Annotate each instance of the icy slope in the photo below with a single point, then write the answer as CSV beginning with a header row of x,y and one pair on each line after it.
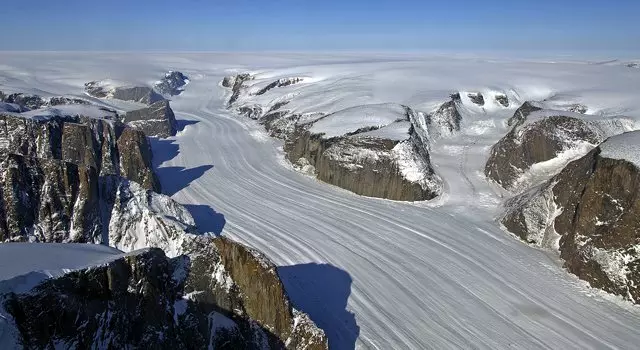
x,y
375,273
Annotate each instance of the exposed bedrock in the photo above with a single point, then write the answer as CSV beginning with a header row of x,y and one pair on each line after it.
x,y
539,135
363,165
109,146
589,212
146,299
156,120
141,94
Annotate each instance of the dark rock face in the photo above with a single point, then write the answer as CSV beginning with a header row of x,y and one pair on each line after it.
x,y
362,165
592,207
502,100
48,199
142,94
155,120
135,164
476,98
535,139
25,100
109,146
236,83
146,300
366,165
522,113
57,101
172,84
538,142
279,83
446,119
136,301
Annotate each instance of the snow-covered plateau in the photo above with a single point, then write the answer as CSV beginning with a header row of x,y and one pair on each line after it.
x,y
377,273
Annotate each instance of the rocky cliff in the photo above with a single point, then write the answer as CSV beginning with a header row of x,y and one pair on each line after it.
x,y
381,150
109,89
172,84
589,213
98,141
29,101
156,120
69,179
145,299
540,135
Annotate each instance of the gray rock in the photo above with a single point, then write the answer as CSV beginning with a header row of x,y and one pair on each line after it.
x,y
108,146
141,94
172,84
476,98
24,100
156,120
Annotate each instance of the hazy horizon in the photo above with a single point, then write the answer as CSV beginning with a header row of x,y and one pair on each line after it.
x,y
570,27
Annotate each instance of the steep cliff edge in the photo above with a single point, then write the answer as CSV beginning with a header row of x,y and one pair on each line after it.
x,y
376,150
90,137
74,178
589,212
141,299
543,140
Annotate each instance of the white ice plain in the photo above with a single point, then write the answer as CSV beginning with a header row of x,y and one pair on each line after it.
x,y
374,273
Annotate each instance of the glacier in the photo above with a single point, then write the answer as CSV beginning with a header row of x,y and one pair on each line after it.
x,y
436,274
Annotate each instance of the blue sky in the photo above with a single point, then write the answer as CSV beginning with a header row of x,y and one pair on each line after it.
x,y
290,25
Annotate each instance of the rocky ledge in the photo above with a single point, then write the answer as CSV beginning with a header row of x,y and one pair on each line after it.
x,y
23,102
172,84
377,150
156,120
589,214
109,89
83,135
542,140
146,299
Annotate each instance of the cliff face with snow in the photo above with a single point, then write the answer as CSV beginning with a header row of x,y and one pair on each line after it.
x,y
543,139
80,178
589,212
377,150
146,299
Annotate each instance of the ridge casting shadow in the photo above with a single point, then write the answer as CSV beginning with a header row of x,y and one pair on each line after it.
x,y
182,124
322,291
207,220
175,178
162,150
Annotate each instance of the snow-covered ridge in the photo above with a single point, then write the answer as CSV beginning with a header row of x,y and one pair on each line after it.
x,y
88,111
356,118
625,146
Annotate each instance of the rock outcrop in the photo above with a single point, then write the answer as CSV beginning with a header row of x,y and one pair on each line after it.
x,y
107,145
383,152
156,120
368,166
172,84
539,135
589,213
69,179
28,101
107,89
145,299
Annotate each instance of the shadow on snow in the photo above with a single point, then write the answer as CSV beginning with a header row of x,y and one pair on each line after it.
x,y
322,291
207,220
